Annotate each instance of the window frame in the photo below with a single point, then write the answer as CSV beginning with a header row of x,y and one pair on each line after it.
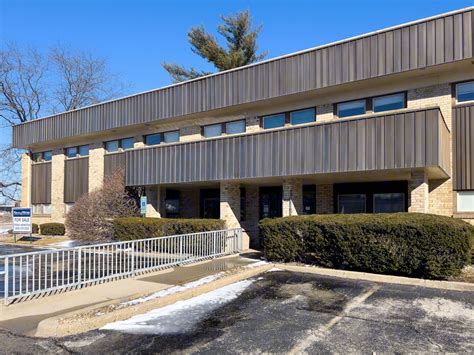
x,y
374,194
285,114
203,130
368,108
119,145
41,155
226,131
369,104
158,134
352,194
301,110
463,212
405,100
167,132
41,209
78,150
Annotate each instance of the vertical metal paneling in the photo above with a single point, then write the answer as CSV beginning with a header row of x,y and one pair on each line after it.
x,y
431,42
112,162
76,178
410,139
463,147
41,183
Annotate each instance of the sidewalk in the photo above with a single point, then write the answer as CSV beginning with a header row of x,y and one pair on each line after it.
x,y
24,317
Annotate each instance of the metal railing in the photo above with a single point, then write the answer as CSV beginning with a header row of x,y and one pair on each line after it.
x,y
27,275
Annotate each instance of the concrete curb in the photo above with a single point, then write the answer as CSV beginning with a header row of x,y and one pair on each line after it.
x,y
364,276
97,316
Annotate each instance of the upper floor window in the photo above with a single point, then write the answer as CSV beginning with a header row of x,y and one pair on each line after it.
x,y
302,116
351,108
213,130
235,127
389,102
465,201
171,137
153,139
119,144
74,152
274,121
39,157
465,91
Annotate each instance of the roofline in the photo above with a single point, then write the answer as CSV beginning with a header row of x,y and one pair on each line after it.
x,y
263,61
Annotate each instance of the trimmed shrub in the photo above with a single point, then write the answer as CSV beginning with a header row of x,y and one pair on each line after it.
x,y
409,244
52,229
34,228
132,228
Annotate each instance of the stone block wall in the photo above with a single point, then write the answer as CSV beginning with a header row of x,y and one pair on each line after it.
x,y
325,199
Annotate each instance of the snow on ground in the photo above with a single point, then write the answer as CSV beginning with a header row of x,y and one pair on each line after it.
x,y
4,230
181,316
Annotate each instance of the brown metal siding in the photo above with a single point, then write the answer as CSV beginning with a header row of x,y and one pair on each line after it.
x,y
113,162
432,42
76,179
41,183
463,147
411,139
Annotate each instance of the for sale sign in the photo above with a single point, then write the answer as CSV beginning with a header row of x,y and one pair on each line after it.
x,y
21,220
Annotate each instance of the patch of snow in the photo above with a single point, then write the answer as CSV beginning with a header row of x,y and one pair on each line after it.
x,y
175,289
183,315
257,264
85,341
4,230
64,244
438,307
273,269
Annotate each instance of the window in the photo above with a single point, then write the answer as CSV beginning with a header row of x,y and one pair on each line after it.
x,y
68,206
153,139
39,208
172,203
83,150
309,199
389,202
71,152
465,91
243,211
303,116
214,130
389,102
112,146
235,127
42,156
127,143
274,121
47,156
351,108
465,201
116,145
171,137
354,203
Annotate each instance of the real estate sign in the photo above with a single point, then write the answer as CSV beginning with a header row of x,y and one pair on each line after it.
x,y
21,220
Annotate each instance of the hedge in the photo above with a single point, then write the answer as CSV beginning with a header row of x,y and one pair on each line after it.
x,y
408,244
132,228
34,228
52,229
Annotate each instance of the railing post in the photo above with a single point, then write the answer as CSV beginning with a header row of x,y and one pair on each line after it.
x,y
133,257
181,248
7,276
79,267
214,237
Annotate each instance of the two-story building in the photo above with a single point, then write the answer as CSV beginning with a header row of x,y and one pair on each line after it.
x,y
382,122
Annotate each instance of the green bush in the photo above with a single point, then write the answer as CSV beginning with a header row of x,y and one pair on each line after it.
x,y
132,228
417,245
34,228
52,229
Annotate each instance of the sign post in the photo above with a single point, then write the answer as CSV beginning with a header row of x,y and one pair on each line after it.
x,y
143,204
21,221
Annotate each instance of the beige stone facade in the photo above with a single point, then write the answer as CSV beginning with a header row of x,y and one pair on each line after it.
x,y
292,197
57,186
418,193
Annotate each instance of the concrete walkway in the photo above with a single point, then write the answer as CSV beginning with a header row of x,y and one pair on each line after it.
x,y
23,318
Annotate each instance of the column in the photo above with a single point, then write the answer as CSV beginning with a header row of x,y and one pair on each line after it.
x,y
418,192
324,199
292,197
57,185
230,208
25,180
96,166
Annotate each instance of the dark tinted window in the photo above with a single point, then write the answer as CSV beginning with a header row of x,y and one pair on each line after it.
x,y
354,203
127,143
465,91
213,130
274,121
389,102
71,152
112,146
351,108
171,137
235,127
84,150
303,116
153,139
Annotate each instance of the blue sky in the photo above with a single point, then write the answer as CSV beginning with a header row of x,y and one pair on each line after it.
x,y
136,36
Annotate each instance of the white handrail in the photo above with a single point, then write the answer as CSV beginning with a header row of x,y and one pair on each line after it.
x,y
37,273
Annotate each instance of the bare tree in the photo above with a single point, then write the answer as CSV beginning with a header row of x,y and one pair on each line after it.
x,y
33,84
82,80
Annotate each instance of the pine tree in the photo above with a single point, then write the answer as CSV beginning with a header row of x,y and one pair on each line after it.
x,y
241,49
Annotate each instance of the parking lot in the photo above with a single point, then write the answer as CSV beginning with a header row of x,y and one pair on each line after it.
x,y
288,312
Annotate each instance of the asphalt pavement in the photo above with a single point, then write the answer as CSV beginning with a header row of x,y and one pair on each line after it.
x,y
289,312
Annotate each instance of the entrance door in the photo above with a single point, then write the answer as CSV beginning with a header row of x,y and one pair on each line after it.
x,y
210,203
271,202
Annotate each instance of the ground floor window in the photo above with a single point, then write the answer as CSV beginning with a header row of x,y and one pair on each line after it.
x,y
172,203
41,208
210,203
351,203
374,197
465,202
309,199
243,202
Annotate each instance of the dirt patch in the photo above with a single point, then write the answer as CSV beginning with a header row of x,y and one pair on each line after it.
x,y
467,275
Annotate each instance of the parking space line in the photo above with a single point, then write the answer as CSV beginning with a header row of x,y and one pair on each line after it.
x,y
318,334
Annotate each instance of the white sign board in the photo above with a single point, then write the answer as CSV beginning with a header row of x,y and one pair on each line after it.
x,y
21,220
